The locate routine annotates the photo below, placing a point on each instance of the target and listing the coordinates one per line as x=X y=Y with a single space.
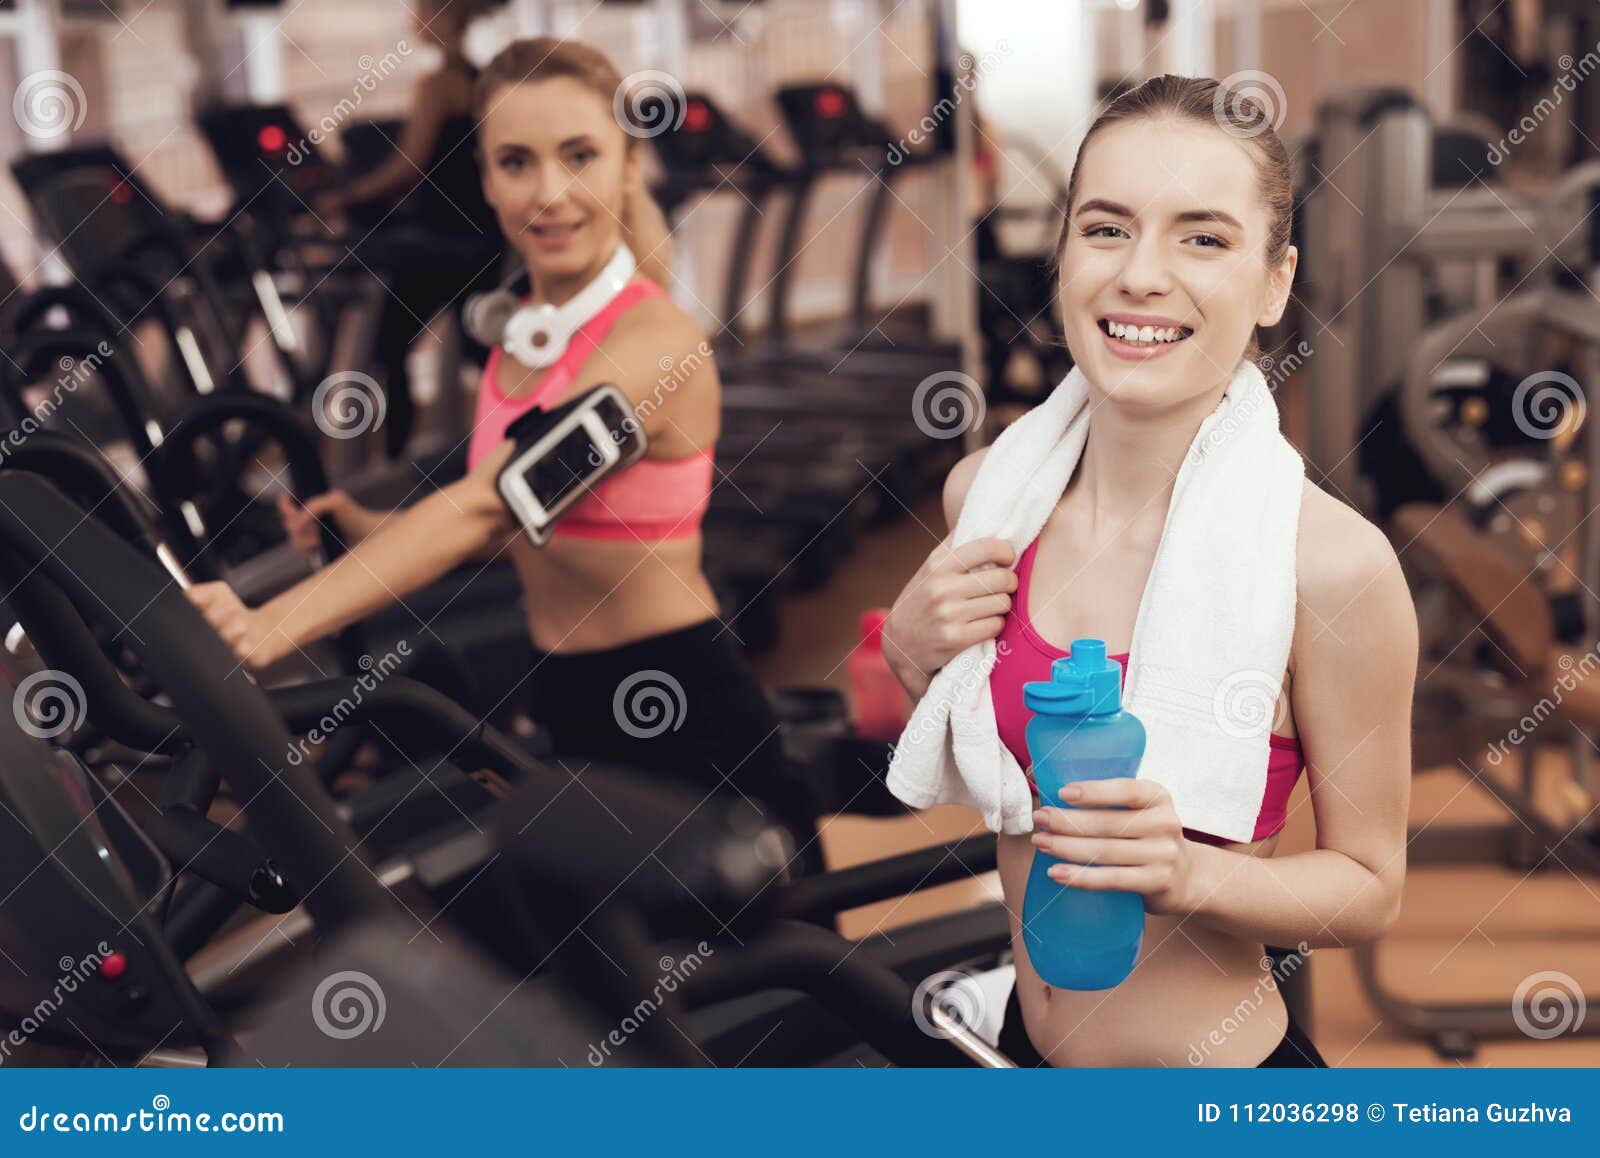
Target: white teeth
x=1144 y=335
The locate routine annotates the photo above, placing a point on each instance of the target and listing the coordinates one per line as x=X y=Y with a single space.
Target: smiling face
x=555 y=168
x=1164 y=269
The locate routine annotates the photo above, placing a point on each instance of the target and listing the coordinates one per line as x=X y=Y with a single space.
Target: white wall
x=1041 y=84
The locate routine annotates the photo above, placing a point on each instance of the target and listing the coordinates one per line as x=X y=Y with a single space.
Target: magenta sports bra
x=1026 y=656
x=652 y=500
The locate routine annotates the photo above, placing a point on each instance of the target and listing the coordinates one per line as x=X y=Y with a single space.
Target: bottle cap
x=1082 y=683
x=872 y=626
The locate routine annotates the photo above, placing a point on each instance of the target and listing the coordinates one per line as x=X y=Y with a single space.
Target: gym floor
x=1466 y=933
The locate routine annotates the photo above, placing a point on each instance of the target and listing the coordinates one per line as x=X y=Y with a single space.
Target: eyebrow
x=1216 y=216
x=580 y=139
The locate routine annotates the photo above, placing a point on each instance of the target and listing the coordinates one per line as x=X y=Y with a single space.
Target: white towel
x=1211 y=641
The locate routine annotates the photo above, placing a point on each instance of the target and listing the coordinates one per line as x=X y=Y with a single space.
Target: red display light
x=272 y=139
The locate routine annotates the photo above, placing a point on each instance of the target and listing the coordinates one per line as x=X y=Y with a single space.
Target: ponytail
x=647 y=235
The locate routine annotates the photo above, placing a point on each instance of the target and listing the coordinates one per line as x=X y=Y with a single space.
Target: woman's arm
x=406 y=167
x=1356 y=661
x=1352 y=690
x=409 y=550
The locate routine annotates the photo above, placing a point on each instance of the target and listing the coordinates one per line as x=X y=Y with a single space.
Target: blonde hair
x=644 y=225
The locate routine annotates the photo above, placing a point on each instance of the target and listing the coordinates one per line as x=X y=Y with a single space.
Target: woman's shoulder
x=1339 y=549
x=660 y=326
x=656 y=351
x=958 y=482
x=1347 y=570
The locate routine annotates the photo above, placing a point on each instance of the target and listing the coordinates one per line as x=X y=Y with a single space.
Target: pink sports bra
x=1024 y=656
x=651 y=500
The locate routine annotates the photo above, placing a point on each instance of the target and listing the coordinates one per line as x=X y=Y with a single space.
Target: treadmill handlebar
x=233 y=722
x=825 y=896
x=871 y=998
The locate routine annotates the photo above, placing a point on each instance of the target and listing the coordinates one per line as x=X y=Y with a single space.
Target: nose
x=546 y=188
x=1145 y=272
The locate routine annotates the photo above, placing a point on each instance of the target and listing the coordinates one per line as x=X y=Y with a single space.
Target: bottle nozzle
x=1083 y=682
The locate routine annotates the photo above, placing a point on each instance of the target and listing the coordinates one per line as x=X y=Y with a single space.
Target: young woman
x=1178 y=224
x=431 y=233
x=631 y=661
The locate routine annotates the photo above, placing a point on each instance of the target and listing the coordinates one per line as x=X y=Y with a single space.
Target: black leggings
x=683 y=703
x=426 y=272
x=1295 y=1051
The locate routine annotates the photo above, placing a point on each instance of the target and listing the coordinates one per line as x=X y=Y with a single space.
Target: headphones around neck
x=536 y=334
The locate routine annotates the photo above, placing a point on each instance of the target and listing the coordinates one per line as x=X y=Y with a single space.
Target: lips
x=1144 y=330
x=555 y=229
x=1149 y=341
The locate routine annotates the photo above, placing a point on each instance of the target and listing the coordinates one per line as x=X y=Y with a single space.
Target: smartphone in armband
x=563 y=452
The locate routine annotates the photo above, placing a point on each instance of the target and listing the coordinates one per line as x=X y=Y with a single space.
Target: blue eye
x=1216 y=242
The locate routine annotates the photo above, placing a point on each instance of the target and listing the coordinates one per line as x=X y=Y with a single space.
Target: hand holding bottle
x=1120 y=835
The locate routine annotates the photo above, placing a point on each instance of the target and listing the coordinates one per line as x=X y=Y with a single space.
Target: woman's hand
x=255 y=641
x=351 y=521
x=957 y=598
x=1122 y=835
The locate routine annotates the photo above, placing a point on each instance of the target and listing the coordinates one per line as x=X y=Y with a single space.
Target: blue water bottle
x=1075 y=938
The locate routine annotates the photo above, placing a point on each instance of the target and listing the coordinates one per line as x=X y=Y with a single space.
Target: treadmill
x=828 y=416
x=834 y=137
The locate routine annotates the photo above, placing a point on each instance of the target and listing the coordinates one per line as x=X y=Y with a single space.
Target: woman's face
x=1163 y=273
x=555 y=167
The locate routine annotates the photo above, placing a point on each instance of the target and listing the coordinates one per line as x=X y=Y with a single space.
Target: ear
x=633 y=168
x=1282 y=281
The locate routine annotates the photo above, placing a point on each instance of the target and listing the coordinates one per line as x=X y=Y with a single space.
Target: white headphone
x=537 y=333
